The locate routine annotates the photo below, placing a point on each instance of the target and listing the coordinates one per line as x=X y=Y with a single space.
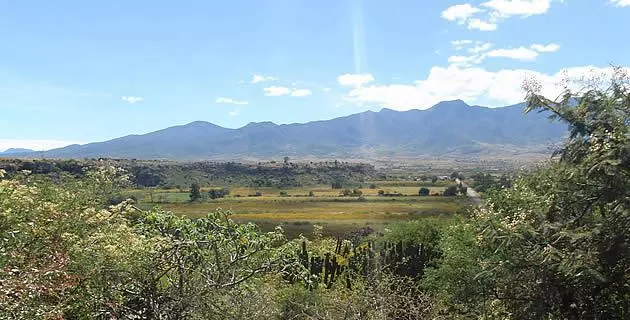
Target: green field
x=297 y=212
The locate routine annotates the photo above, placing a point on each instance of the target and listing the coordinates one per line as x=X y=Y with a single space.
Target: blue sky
x=84 y=71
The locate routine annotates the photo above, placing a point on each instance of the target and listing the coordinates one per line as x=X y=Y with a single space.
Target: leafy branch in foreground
x=556 y=244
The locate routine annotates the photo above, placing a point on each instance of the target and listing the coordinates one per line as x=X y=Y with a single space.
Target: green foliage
x=450 y=191
x=218 y=193
x=337 y=185
x=485 y=182
x=195 y=192
x=424 y=191
x=65 y=254
x=555 y=244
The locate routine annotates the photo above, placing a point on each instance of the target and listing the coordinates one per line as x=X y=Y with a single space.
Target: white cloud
x=259 y=78
x=326 y=89
x=480 y=47
x=355 y=80
x=620 y=3
x=466 y=60
x=552 y=47
x=498 y=88
x=460 y=44
x=494 y=11
x=481 y=51
x=132 y=99
x=231 y=101
x=457 y=43
x=275 y=91
x=234 y=113
x=481 y=25
x=33 y=144
x=520 y=53
x=300 y=92
x=460 y=13
x=508 y=8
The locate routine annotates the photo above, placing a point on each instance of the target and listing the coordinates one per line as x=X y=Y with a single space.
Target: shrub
x=424 y=191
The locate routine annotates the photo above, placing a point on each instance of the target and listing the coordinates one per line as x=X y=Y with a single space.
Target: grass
x=297 y=212
x=175 y=196
x=285 y=208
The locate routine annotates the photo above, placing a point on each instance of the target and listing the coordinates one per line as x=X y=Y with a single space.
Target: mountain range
x=15 y=150
x=449 y=127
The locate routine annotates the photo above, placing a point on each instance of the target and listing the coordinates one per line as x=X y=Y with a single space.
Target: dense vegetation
x=178 y=175
x=552 y=245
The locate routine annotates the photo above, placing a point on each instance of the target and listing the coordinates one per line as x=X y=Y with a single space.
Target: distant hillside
x=15 y=150
x=450 y=127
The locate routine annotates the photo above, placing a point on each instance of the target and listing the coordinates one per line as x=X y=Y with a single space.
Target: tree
x=450 y=191
x=424 y=191
x=286 y=160
x=434 y=179
x=554 y=244
x=66 y=254
x=218 y=193
x=195 y=192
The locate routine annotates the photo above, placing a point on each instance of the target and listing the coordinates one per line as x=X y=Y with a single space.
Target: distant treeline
x=167 y=174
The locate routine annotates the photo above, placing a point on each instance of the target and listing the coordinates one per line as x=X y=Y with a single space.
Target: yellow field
x=173 y=195
x=286 y=208
x=297 y=212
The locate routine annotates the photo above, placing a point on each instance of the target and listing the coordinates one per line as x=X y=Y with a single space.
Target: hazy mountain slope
x=15 y=150
x=450 y=126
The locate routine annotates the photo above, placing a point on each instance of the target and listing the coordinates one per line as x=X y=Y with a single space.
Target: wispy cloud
x=481 y=51
x=260 y=78
x=301 y=92
x=132 y=99
x=620 y=3
x=276 y=91
x=354 y=80
x=552 y=47
x=520 y=53
x=234 y=113
x=459 y=44
x=481 y=25
x=460 y=12
x=231 y=101
x=490 y=13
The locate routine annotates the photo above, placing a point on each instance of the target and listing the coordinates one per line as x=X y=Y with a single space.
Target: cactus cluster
x=363 y=260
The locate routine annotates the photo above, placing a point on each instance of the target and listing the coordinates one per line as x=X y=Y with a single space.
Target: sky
x=86 y=71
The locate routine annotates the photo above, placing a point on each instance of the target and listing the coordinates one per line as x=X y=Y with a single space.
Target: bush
x=450 y=191
x=218 y=193
x=424 y=191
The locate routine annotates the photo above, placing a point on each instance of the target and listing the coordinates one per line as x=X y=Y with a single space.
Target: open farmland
x=298 y=209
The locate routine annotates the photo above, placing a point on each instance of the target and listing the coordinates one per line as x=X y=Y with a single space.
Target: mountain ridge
x=449 y=127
